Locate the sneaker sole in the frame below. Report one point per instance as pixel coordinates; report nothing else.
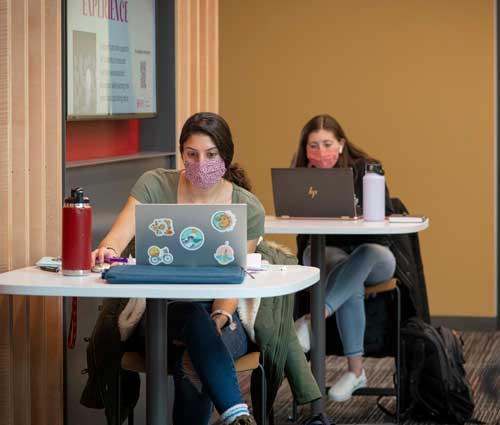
(340, 399)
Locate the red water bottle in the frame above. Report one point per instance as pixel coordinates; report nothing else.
(76, 234)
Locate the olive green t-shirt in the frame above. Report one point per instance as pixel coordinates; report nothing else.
(159, 186)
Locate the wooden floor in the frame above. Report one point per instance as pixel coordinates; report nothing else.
(482, 350)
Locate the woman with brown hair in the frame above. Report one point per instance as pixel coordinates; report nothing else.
(352, 261)
(203, 343)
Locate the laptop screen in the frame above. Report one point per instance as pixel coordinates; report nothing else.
(314, 192)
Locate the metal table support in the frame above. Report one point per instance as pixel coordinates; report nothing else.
(156, 361)
(318, 320)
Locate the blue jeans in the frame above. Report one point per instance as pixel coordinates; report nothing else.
(209, 377)
(347, 274)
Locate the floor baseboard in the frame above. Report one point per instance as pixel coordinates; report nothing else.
(466, 323)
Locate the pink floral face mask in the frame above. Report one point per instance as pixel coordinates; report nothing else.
(206, 173)
(324, 158)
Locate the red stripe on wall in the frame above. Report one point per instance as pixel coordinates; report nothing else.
(98, 139)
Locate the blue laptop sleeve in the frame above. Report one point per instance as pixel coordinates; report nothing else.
(175, 274)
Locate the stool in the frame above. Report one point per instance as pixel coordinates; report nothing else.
(373, 290)
(135, 362)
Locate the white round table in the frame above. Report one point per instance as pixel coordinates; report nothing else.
(318, 228)
(274, 282)
(315, 226)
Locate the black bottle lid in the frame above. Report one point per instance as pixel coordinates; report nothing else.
(76, 196)
(375, 168)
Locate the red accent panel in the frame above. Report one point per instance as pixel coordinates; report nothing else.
(100, 139)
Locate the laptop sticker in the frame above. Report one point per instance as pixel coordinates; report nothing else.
(224, 254)
(223, 221)
(166, 256)
(154, 255)
(162, 227)
(159, 255)
(192, 238)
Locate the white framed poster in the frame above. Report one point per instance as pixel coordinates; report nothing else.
(111, 58)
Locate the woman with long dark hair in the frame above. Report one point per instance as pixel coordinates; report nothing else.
(351, 261)
(203, 345)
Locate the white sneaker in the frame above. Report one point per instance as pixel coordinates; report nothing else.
(342, 389)
(303, 330)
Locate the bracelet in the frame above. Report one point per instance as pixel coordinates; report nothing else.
(224, 313)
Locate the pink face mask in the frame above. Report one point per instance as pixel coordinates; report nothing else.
(322, 158)
(206, 173)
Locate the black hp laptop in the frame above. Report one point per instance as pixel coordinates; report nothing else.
(314, 192)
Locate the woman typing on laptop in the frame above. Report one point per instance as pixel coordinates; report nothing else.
(351, 261)
(207, 335)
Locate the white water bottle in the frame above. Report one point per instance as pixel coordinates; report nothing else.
(374, 193)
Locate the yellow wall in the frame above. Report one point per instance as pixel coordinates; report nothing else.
(410, 81)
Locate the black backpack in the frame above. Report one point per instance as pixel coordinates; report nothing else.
(433, 382)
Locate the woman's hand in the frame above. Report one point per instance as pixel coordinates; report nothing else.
(119, 236)
(100, 254)
(220, 321)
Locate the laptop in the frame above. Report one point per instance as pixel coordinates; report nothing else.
(191, 234)
(314, 192)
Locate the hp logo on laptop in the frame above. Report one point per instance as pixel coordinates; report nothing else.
(312, 192)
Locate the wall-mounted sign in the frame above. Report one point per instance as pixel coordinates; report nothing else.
(111, 58)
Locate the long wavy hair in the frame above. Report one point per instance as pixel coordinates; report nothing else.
(215, 127)
(350, 155)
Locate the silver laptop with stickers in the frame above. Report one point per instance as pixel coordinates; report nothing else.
(191, 234)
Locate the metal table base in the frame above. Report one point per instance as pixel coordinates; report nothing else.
(156, 362)
(318, 336)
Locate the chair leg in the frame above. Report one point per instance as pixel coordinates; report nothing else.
(398, 353)
(293, 416)
(263, 395)
(118, 398)
(130, 418)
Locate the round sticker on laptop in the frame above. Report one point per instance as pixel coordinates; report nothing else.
(192, 238)
(224, 254)
(159, 255)
(223, 221)
(162, 227)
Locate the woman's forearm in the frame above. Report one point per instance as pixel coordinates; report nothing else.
(123, 228)
(113, 243)
(228, 305)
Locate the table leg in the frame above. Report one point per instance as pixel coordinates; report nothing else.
(318, 319)
(156, 362)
